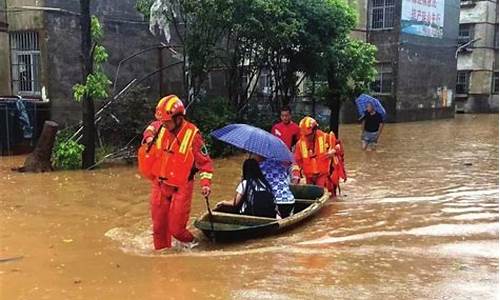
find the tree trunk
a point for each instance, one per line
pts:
(334, 115)
(88, 110)
(314, 97)
(39, 159)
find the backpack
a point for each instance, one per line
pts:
(258, 202)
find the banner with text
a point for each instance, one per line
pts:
(423, 17)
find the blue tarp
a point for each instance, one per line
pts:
(17, 123)
(24, 120)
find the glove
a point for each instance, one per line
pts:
(205, 191)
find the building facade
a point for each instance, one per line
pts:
(477, 76)
(40, 51)
(416, 41)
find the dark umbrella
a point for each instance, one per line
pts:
(255, 140)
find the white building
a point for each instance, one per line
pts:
(477, 65)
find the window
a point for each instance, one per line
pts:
(382, 14)
(462, 82)
(465, 33)
(25, 63)
(494, 84)
(383, 82)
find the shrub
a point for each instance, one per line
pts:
(67, 154)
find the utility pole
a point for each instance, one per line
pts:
(88, 156)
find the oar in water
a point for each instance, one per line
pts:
(211, 219)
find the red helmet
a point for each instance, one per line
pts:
(169, 107)
(307, 126)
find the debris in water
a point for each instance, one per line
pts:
(7, 259)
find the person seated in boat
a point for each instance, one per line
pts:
(277, 174)
(254, 195)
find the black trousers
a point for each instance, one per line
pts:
(285, 210)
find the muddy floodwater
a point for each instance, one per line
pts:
(417, 219)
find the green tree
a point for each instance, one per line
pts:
(292, 39)
(144, 7)
(96, 83)
(350, 70)
(199, 27)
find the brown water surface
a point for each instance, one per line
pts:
(417, 219)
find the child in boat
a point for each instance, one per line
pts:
(254, 194)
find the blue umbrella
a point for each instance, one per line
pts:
(364, 99)
(255, 140)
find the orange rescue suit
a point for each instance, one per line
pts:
(311, 158)
(170, 163)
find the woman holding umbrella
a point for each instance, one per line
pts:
(273, 157)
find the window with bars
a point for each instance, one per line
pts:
(465, 33)
(383, 82)
(382, 14)
(462, 82)
(25, 63)
(494, 84)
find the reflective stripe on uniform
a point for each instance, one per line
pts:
(206, 175)
(321, 142)
(186, 141)
(159, 140)
(303, 149)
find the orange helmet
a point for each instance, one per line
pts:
(307, 126)
(169, 107)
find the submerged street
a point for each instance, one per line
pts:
(417, 219)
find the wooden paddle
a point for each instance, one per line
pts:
(211, 219)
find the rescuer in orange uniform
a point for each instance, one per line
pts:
(314, 153)
(172, 152)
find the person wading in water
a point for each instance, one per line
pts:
(173, 151)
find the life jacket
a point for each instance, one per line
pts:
(316, 161)
(338, 166)
(258, 200)
(148, 155)
(176, 158)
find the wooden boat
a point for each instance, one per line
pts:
(227, 226)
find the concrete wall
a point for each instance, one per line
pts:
(4, 52)
(482, 58)
(477, 59)
(22, 18)
(361, 7)
(387, 43)
(427, 71)
(482, 11)
(125, 33)
(19, 18)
